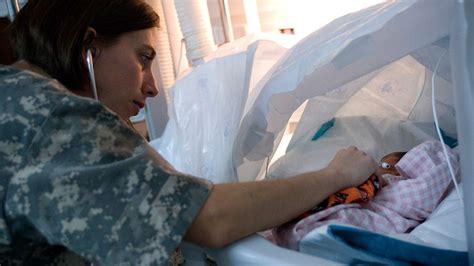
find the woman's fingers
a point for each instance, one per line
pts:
(353, 164)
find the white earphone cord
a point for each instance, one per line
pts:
(90, 68)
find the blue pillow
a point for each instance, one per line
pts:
(451, 142)
(324, 127)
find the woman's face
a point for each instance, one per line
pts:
(123, 74)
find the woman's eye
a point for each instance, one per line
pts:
(146, 59)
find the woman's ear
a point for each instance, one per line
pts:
(89, 43)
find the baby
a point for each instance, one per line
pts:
(364, 192)
(413, 184)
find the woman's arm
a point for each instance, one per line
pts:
(236, 210)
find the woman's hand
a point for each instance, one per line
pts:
(235, 210)
(352, 165)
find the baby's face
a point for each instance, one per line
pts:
(387, 166)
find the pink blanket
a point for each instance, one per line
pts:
(404, 203)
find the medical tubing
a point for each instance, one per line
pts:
(445, 152)
(178, 69)
(196, 27)
(225, 20)
(163, 51)
(175, 36)
(266, 168)
(13, 8)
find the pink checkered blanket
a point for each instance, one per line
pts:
(401, 205)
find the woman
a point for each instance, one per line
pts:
(75, 175)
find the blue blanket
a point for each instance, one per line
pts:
(398, 251)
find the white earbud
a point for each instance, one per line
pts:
(90, 68)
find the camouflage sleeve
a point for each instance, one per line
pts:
(91, 184)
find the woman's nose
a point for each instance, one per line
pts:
(149, 86)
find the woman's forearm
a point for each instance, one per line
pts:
(235, 210)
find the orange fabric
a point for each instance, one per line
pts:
(359, 194)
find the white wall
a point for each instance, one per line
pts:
(304, 16)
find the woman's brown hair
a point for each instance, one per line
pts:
(51, 33)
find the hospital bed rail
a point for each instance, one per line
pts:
(252, 250)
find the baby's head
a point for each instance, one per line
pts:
(388, 162)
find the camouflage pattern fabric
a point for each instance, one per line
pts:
(74, 179)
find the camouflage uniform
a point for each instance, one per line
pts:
(74, 179)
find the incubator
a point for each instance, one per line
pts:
(232, 119)
(253, 108)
